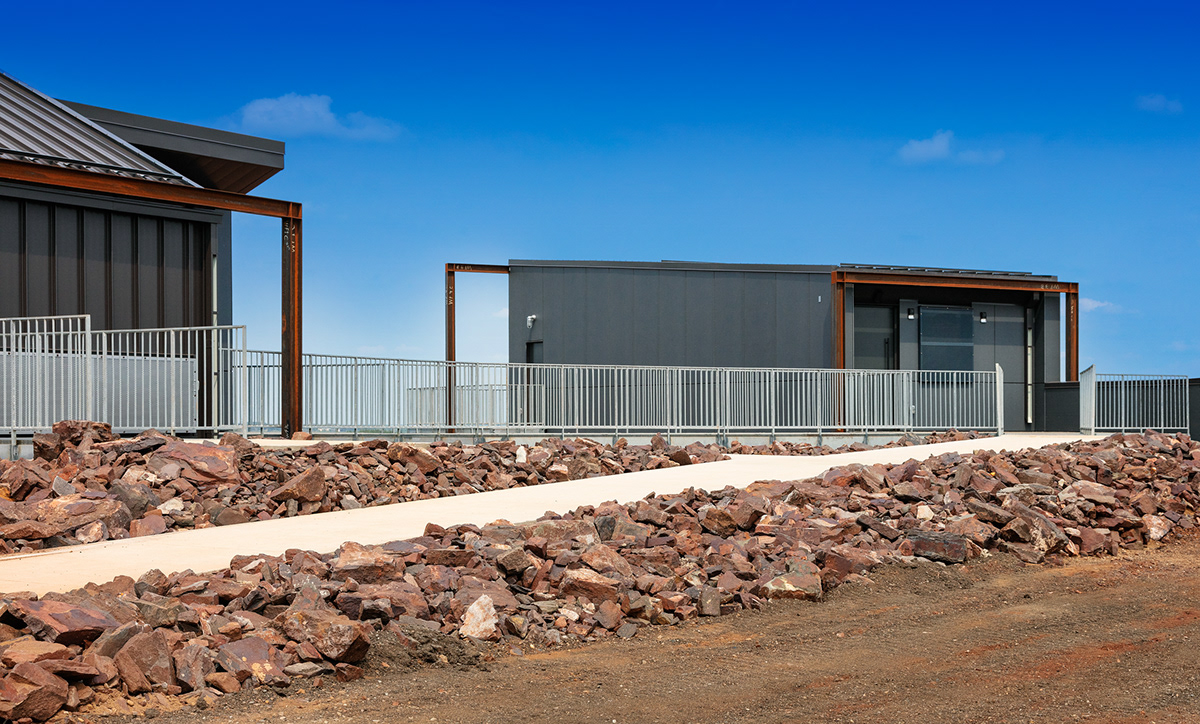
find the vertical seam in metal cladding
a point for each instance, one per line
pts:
(22, 260)
(162, 275)
(108, 271)
(135, 286)
(80, 261)
(52, 257)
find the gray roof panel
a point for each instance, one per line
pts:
(37, 129)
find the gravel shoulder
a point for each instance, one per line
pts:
(1095, 639)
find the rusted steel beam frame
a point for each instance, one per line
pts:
(1073, 334)
(451, 352)
(292, 326)
(142, 189)
(479, 268)
(290, 213)
(928, 280)
(839, 324)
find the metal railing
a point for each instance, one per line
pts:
(368, 394)
(1132, 403)
(173, 379)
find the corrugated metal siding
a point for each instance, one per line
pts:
(128, 271)
(38, 129)
(666, 316)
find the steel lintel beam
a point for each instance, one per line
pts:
(69, 178)
(934, 280)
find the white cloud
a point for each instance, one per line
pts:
(311, 115)
(939, 148)
(929, 149)
(1093, 305)
(501, 313)
(1158, 103)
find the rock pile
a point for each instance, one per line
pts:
(84, 485)
(800, 448)
(596, 572)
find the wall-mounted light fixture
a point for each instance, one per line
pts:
(912, 313)
(983, 317)
(530, 320)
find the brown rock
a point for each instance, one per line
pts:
(347, 672)
(604, 559)
(364, 564)
(608, 615)
(804, 584)
(248, 658)
(32, 692)
(514, 561)
(150, 654)
(150, 525)
(192, 664)
(26, 649)
(945, 547)
(451, 557)
(308, 486)
(200, 464)
(586, 582)
(717, 521)
(224, 681)
(335, 636)
(61, 622)
(28, 530)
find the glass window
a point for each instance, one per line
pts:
(947, 338)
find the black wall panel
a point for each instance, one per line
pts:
(670, 316)
(126, 269)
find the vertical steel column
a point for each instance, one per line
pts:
(450, 352)
(1073, 334)
(292, 397)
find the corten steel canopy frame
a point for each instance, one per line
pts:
(450, 319)
(288, 212)
(842, 277)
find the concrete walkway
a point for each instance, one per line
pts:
(208, 549)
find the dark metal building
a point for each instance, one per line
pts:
(844, 317)
(130, 263)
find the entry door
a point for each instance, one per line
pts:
(875, 338)
(1001, 340)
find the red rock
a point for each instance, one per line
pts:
(451, 557)
(804, 584)
(335, 636)
(224, 681)
(192, 664)
(945, 547)
(150, 525)
(1091, 541)
(248, 658)
(365, 564)
(61, 622)
(199, 463)
(32, 692)
(717, 521)
(28, 530)
(150, 654)
(347, 672)
(608, 615)
(308, 486)
(603, 559)
(26, 649)
(585, 582)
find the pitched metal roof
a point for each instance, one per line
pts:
(37, 129)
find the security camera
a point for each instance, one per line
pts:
(530, 320)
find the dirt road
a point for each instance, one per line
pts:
(1096, 640)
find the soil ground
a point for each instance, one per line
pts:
(1094, 640)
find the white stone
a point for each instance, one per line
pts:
(480, 620)
(522, 454)
(171, 507)
(924, 512)
(1157, 526)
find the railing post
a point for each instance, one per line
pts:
(999, 399)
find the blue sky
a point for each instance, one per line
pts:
(1060, 139)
